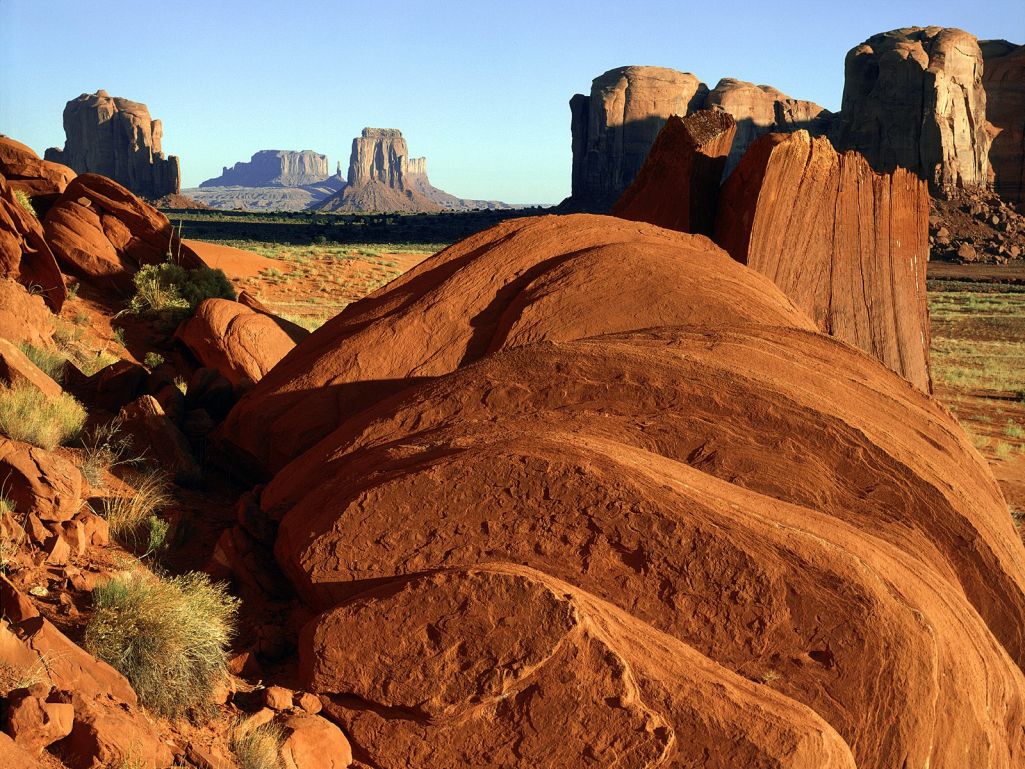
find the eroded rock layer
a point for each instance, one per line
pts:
(117, 138)
(847, 245)
(609, 533)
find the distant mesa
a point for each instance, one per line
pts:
(117, 138)
(382, 177)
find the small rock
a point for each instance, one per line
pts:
(312, 742)
(309, 702)
(38, 591)
(277, 698)
(966, 252)
(35, 723)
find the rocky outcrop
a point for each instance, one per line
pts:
(274, 168)
(41, 180)
(615, 126)
(533, 274)
(678, 186)
(847, 245)
(913, 98)
(1004, 81)
(25, 254)
(382, 177)
(100, 231)
(684, 532)
(117, 138)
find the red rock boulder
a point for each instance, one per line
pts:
(17, 369)
(41, 180)
(243, 344)
(24, 317)
(39, 482)
(847, 245)
(25, 254)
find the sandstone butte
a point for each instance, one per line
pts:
(678, 185)
(689, 532)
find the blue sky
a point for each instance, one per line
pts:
(480, 88)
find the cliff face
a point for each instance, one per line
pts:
(1004, 81)
(615, 126)
(379, 155)
(117, 138)
(914, 98)
(274, 168)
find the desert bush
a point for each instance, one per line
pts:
(170, 288)
(26, 414)
(152, 360)
(257, 747)
(49, 360)
(128, 515)
(10, 542)
(1014, 430)
(25, 202)
(167, 635)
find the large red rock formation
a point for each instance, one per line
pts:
(526, 280)
(41, 180)
(678, 186)
(847, 245)
(593, 523)
(1004, 81)
(100, 231)
(25, 254)
(117, 138)
(913, 98)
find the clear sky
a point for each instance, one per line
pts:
(480, 87)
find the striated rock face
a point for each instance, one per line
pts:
(847, 245)
(322, 380)
(274, 168)
(379, 155)
(678, 186)
(117, 138)
(615, 126)
(914, 98)
(1004, 81)
(616, 531)
(759, 109)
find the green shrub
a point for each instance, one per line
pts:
(152, 360)
(49, 360)
(25, 202)
(257, 747)
(170, 288)
(1014, 430)
(167, 635)
(26, 414)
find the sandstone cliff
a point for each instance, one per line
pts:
(117, 138)
(614, 127)
(914, 98)
(274, 168)
(1004, 80)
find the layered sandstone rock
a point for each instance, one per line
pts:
(539, 278)
(24, 317)
(25, 254)
(678, 186)
(117, 138)
(100, 231)
(913, 98)
(847, 245)
(274, 168)
(41, 180)
(698, 533)
(1004, 81)
(615, 126)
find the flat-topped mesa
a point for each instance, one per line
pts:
(845, 244)
(117, 138)
(1004, 81)
(914, 98)
(615, 126)
(417, 167)
(678, 186)
(379, 154)
(274, 168)
(760, 109)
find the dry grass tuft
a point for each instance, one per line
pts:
(167, 635)
(257, 747)
(26, 414)
(129, 516)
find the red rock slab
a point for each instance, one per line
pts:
(39, 482)
(525, 280)
(236, 263)
(506, 666)
(678, 185)
(17, 369)
(23, 167)
(24, 317)
(102, 232)
(847, 245)
(241, 343)
(25, 254)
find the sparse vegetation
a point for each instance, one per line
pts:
(1014, 430)
(181, 384)
(105, 448)
(152, 360)
(167, 635)
(130, 516)
(47, 359)
(1003, 449)
(11, 533)
(171, 289)
(257, 747)
(25, 202)
(26, 414)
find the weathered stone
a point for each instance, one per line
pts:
(117, 138)
(913, 98)
(39, 482)
(1004, 81)
(35, 723)
(312, 742)
(159, 439)
(17, 369)
(847, 245)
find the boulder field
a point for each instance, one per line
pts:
(624, 503)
